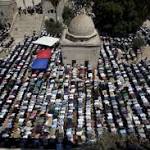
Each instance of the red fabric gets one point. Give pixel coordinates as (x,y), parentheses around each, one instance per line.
(44,53)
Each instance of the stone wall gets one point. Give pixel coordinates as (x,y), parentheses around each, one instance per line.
(80,54)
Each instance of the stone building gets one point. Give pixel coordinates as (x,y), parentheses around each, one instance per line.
(7,10)
(50,12)
(80,42)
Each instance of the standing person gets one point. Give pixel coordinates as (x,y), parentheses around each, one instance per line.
(59,144)
(19,11)
(67,143)
(24,11)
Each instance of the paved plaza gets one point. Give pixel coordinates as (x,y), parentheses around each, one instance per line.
(26,24)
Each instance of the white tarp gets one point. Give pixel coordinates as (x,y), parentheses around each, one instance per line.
(46,40)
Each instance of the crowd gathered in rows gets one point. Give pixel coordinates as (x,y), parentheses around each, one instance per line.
(73,104)
(5,39)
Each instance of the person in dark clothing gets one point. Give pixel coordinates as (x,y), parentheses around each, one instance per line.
(67,144)
(59,144)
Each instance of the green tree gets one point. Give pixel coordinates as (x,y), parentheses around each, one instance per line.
(67,15)
(110,141)
(143,8)
(120,17)
(138,42)
(54,28)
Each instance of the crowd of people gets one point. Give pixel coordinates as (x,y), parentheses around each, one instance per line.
(72,104)
(145,31)
(5,39)
(30,10)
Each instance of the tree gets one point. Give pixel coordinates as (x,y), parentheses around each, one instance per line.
(110,141)
(143,8)
(138,42)
(120,17)
(67,15)
(54,28)
(55,4)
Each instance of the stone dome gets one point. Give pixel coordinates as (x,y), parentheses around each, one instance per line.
(81,26)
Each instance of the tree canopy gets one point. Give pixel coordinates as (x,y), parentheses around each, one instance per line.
(120,17)
(138,42)
(110,141)
(67,15)
(54,28)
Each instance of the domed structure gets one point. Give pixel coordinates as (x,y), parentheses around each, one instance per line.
(81,26)
(80,42)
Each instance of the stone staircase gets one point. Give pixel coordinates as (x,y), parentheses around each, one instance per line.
(25,25)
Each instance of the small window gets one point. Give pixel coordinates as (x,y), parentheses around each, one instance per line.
(2,14)
(52,11)
(86,63)
(73,62)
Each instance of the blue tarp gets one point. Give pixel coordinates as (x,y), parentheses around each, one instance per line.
(40,64)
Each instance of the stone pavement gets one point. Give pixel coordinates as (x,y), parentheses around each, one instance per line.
(26,24)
